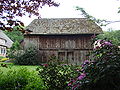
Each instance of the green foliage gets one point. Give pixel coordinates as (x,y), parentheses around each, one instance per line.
(113,36)
(26,57)
(1,57)
(21,79)
(15,46)
(56,76)
(14,35)
(103,72)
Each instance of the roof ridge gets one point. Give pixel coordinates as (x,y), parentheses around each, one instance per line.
(63,25)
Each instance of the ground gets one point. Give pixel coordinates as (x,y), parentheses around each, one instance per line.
(11,66)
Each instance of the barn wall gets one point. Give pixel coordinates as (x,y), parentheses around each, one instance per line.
(59,42)
(69,56)
(73,48)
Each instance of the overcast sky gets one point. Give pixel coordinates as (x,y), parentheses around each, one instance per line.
(102,9)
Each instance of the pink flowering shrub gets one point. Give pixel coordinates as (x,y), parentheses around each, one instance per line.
(102,72)
(101,43)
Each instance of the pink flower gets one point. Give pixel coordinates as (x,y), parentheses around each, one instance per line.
(86,62)
(101,43)
(107,43)
(78,70)
(81,76)
(69,84)
(93,36)
(45,65)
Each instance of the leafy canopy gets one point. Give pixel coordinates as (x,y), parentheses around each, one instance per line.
(113,36)
(9,9)
(15,34)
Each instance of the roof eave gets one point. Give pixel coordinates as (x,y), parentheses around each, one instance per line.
(62,34)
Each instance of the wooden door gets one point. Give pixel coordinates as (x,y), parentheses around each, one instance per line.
(70,57)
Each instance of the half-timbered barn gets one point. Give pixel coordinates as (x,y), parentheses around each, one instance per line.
(69,39)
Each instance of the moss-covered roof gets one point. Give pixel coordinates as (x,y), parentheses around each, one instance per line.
(63,26)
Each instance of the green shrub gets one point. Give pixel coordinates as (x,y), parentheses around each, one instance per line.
(103,71)
(1,57)
(27,57)
(56,75)
(21,79)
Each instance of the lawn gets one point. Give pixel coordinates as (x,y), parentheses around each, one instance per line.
(11,66)
(20,77)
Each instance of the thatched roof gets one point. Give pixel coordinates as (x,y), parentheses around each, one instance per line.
(9,42)
(63,26)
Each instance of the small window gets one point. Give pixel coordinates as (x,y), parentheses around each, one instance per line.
(3,51)
(0,51)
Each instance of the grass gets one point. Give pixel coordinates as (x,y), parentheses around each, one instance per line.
(11,66)
(1,57)
(20,77)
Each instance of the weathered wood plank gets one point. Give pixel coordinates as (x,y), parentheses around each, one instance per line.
(74,48)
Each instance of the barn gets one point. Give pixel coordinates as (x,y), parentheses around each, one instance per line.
(69,39)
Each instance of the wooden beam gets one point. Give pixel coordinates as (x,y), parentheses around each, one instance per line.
(62,49)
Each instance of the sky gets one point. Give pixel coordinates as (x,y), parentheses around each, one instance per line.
(101,9)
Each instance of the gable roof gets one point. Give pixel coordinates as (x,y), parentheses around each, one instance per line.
(63,26)
(9,42)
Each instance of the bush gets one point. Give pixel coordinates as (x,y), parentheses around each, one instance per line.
(56,76)
(21,79)
(103,72)
(1,57)
(27,57)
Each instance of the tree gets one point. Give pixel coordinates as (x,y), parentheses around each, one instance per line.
(113,36)
(93,19)
(9,9)
(15,34)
